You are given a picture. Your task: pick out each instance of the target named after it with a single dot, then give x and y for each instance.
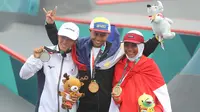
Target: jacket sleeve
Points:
(150, 46)
(30, 67)
(52, 33)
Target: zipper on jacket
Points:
(59, 83)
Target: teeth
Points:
(98, 42)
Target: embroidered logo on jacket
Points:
(50, 67)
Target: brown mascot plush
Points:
(71, 87)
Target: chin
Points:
(97, 45)
(131, 56)
(63, 49)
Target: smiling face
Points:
(65, 43)
(98, 38)
(131, 49)
(146, 101)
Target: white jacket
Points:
(48, 101)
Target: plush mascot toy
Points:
(71, 89)
(146, 103)
(161, 25)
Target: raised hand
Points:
(38, 51)
(50, 15)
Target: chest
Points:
(57, 66)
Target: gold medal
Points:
(93, 87)
(117, 90)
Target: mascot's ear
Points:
(66, 76)
(64, 81)
(160, 6)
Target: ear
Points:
(66, 76)
(161, 8)
(64, 80)
(160, 4)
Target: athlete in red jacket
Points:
(136, 74)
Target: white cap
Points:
(70, 30)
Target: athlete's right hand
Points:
(38, 52)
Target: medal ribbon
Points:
(123, 73)
(94, 61)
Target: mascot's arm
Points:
(169, 20)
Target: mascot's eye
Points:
(142, 100)
(74, 88)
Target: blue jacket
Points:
(84, 45)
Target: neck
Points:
(93, 45)
(96, 46)
(64, 50)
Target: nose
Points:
(98, 38)
(148, 5)
(64, 41)
(129, 48)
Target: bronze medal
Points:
(117, 90)
(93, 87)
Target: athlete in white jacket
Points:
(50, 73)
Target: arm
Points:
(169, 20)
(116, 99)
(150, 46)
(30, 67)
(51, 26)
(52, 33)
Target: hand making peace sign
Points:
(50, 15)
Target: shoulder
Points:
(147, 62)
(82, 39)
(122, 61)
(150, 60)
